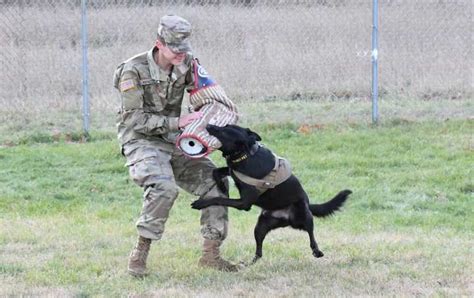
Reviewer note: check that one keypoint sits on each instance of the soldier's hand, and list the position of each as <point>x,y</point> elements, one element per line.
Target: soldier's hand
<point>187,119</point>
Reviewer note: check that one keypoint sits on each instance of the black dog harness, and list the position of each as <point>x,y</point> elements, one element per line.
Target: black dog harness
<point>280,172</point>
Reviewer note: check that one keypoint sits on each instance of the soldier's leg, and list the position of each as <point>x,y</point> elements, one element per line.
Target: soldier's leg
<point>152,170</point>
<point>195,176</point>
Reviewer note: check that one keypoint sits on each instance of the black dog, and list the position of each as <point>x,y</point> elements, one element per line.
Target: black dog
<point>285,204</point>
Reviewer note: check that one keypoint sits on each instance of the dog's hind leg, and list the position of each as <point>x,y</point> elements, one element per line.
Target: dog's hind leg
<point>264,225</point>
<point>309,227</point>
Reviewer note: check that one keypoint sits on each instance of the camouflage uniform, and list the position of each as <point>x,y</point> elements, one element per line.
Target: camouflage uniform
<point>147,129</point>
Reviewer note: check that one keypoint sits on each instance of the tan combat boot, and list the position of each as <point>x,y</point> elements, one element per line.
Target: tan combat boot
<point>137,260</point>
<point>211,257</point>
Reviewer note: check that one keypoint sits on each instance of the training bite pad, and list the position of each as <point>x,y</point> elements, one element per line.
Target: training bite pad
<point>210,99</point>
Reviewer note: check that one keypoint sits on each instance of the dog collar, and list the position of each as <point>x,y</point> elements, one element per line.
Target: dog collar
<point>240,157</point>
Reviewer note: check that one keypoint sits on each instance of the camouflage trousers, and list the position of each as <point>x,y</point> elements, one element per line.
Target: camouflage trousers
<point>160,173</point>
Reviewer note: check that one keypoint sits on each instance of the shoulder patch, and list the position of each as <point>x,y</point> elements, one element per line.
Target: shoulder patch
<point>201,78</point>
<point>127,85</point>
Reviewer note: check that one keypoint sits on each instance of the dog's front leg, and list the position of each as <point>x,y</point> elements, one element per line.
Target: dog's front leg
<point>219,174</point>
<point>219,201</point>
<point>248,198</point>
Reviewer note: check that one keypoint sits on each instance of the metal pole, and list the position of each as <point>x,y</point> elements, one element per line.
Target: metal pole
<point>375,70</point>
<point>85,70</point>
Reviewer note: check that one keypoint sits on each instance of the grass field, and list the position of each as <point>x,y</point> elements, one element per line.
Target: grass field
<point>67,212</point>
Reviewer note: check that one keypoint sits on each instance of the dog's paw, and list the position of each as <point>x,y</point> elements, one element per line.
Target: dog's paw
<point>254,260</point>
<point>318,253</point>
<point>199,204</point>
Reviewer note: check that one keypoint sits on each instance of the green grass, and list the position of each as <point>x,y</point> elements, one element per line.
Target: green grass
<point>67,213</point>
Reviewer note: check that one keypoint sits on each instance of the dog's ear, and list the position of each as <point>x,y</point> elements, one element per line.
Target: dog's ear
<point>254,134</point>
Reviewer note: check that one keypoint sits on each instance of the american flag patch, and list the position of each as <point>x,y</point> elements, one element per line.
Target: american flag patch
<point>127,85</point>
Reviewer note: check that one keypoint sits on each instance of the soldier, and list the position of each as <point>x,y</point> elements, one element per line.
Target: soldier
<point>152,86</point>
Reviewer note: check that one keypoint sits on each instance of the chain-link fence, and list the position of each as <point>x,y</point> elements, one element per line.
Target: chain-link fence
<point>267,49</point>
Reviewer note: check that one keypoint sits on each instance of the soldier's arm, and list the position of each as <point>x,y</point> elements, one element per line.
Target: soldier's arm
<point>131,93</point>
<point>203,88</point>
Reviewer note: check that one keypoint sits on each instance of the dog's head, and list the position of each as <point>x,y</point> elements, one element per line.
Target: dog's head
<point>234,139</point>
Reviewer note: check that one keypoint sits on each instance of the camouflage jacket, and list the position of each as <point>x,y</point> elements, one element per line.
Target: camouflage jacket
<point>151,100</point>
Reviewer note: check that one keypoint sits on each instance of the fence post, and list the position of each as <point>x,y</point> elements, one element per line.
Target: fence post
<point>85,69</point>
<point>375,82</point>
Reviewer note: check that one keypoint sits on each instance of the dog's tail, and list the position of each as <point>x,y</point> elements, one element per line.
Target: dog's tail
<point>328,208</point>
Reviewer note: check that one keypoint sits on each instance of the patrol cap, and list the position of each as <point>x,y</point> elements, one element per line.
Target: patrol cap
<point>175,32</point>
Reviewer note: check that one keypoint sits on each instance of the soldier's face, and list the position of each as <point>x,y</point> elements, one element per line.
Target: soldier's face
<point>172,57</point>
<point>176,58</point>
